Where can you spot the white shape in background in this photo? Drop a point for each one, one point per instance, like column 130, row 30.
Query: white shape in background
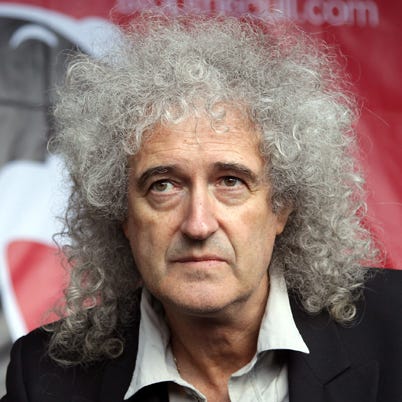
column 93, row 35
column 32, row 199
column 32, row 31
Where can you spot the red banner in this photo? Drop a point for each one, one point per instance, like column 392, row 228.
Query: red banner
column 367, row 33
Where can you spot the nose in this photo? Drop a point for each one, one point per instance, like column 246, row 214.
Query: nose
column 200, row 219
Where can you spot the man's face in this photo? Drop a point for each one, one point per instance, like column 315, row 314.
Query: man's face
column 200, row 223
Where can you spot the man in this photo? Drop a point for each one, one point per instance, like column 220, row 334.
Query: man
column 215, row 229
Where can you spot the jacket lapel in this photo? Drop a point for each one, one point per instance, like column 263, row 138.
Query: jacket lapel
column 327, row 374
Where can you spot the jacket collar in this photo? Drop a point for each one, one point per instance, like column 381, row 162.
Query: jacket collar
column 327, row 373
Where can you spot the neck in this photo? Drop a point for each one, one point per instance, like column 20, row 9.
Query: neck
column 208, row 350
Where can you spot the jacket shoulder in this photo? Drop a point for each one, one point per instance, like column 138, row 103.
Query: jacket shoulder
column 33, row 376
column 359, row 357
column 382, row 297
column 382, row 280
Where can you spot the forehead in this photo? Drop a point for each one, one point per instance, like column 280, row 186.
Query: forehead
column 232, row 136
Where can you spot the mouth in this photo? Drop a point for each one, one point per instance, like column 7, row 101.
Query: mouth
column 204, row 258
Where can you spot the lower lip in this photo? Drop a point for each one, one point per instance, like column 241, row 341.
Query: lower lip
column 201, row 263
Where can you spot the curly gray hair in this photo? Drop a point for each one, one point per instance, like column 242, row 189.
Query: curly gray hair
column 159, row 71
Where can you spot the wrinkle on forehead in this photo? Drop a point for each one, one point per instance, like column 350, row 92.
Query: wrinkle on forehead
column 233, row 120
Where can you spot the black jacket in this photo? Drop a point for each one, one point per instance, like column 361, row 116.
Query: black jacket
column 357, row 363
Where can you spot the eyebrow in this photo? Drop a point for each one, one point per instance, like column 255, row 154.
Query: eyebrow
column 237, row 168
column 154, row 171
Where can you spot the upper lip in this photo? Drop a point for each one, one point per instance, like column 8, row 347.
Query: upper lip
column 192, row 258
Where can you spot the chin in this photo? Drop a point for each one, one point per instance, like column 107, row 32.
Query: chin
column 200, row 305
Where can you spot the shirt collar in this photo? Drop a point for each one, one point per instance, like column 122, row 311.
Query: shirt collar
column 155, row 362
column 278, row 329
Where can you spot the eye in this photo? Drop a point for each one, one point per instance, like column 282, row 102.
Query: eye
column 162, row 186
column 231, row 181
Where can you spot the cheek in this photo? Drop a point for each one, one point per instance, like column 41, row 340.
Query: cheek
column 150, row 235
column 259, row 222
column 147, row 254
column 257, row 232
column 137, row 232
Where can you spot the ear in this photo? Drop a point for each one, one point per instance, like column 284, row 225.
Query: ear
column 282, row 218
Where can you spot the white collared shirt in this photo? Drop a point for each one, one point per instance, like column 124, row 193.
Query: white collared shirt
column 264, row 378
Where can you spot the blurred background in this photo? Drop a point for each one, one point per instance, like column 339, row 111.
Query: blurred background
column 36, row 37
